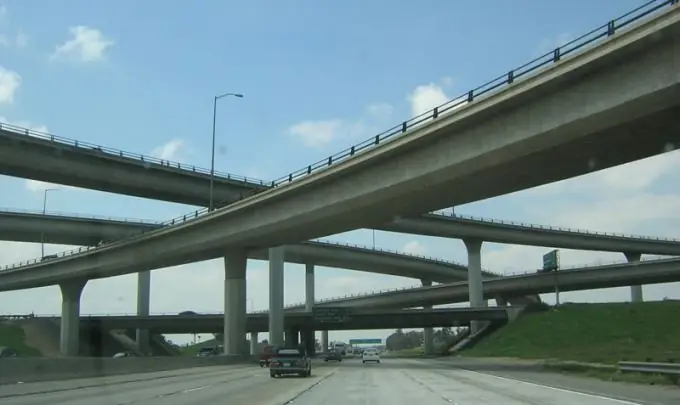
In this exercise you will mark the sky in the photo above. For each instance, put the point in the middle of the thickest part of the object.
(316, 77)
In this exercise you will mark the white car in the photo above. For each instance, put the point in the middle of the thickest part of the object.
(370, 355)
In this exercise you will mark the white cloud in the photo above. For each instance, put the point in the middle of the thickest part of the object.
(170, 150)
(316, 134)
(414, 248)
(87, 45)
(9, 84)
(380, 110)
(24, 125)
(426, 97)
(40, 186)
(20, 40)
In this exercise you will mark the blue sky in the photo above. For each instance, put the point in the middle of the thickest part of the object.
(317, 77)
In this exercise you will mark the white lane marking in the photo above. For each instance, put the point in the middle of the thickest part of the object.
(195, 389)
(620, 401)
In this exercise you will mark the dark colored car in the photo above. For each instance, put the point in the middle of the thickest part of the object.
(208, 351)
(290, 360)
(334, 355)
(266, 355)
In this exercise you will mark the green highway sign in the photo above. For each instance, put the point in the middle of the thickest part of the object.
(551, 261)
(365, 341)
(332, 314)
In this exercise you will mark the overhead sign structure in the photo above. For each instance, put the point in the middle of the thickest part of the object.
(332, 314)
(551, 261)
(365, 341)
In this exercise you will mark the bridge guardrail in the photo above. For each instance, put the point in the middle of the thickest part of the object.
(650, 367)
(146, 159)
(486, 90)
(519, 224)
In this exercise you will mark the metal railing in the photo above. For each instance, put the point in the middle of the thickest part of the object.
(453, 215)
(650, 367)
(68, 215)
(143, 159)
(486, 90)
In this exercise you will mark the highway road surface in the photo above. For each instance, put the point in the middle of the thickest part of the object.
(393, 382)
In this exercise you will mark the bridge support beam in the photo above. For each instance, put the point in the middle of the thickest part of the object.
(309, 341)
(70, 317)
(635, 290)
(475, 286)
(309, 287)
(428, 333)
(235, 301)
(254, 346)
(324, 341)
(143, 307)
(276, 262)
(292, 337)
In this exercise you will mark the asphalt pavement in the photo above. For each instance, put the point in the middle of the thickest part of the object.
(393, 382)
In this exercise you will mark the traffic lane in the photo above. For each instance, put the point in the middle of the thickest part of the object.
(533, 372)
(80, 383)
(397, 381)
(126, 391)
(242, 386)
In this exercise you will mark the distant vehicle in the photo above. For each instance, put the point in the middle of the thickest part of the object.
(124, 354)
(341, 347)
(370, 355)
(7, 352)
(267, 353)
(290, 361)
(207, 351)
(333, 355)
(48, 257)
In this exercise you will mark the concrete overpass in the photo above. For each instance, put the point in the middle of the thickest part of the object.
(640, 96)
(621, 94)
(72, 229)
(31, 227)
(585, 278)
(359, 319)
(66, 161)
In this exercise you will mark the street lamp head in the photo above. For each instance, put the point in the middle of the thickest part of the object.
(239, 95)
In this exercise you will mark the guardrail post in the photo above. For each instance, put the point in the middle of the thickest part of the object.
(611, 28)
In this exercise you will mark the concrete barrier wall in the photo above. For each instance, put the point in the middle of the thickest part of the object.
(13, 370)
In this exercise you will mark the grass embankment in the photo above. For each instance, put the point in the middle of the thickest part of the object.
(591, 333)
(13, 336)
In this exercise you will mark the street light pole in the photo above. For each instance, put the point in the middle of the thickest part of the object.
(44, 212)
(211, 205)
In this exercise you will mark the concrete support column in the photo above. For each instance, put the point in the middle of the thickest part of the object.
(70, 317)
(143, 307)
(309, 287)
(253, 343)
(501, 301)
(428, 333)
(308, 341)
(324, 340)
(276, 261)
(235, 301)
(292, 337)
(475, 287)
(635, 290)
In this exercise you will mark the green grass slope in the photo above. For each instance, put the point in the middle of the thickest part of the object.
(594, 333)
(13, 336)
